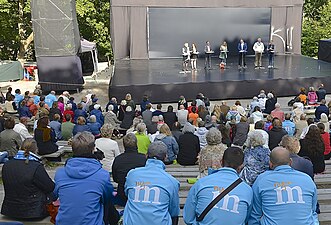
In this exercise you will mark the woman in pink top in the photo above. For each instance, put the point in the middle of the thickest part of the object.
(326, 139)
(60, 104)
(277, 112)
(312, 96)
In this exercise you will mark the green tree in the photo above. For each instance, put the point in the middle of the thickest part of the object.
(316, 25)
(94, 24)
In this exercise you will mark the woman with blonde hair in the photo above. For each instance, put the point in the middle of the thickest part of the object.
(166, 137)
(130, 102)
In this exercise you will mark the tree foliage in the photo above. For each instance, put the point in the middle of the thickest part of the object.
(316, 25)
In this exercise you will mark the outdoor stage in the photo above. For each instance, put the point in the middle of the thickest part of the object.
(162, 81)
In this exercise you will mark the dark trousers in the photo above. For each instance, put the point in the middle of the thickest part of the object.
(208, 61)
(242, 59)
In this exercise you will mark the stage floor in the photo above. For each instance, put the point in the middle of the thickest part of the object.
(163, 80)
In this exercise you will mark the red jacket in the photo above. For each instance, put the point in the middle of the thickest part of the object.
(326, 140)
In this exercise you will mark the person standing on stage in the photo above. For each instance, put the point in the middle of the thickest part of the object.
(223, 52)
(194, 54)
(208, 52)
(258, 49)
(242, 48)
(271, 54)
(186, 56)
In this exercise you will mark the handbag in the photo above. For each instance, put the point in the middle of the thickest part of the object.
(217, 199)
(53, 209)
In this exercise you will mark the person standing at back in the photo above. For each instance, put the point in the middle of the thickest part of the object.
(152, 193)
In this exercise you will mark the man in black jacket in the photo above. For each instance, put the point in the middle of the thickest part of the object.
(276, 133)
(126, 161)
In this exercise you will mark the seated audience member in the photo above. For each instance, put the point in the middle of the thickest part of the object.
(83, 187)
(81, 126)
(56, 126)
(125, 162)
(278, 113)
(24, 111)
(259, 128)
(298, 104)
(322, 108)
(262, 98)
(325, 120)
(193, 105)
(128, 118)
(142, 139)
(310, 122)
(211, 155)
(189, 146)
(233, 115)
(67, 127)
(163, 206)
(253, 104)
(152, 128)
(225, 131)
(158, 111)
(170, 116)
(10, 106)
(45, 137)
(321, 93)
(276, 133)
(54, 110)
(296, 114)
(98, 114)
(182, 101)
(202, 112)
(193, 116)
(175, 130)
(256, 159)
(288, 125)
(68, 110)
(257, 115)
(122, 110)
(269, 189)
(60, 104)
(240, 132)
(9, 93)
(144, 102)
(25, 174)
(166, 137)
(94, 126)
(300, 125)
(10, 141)
(42, 110)
(270, 103)
(312, 96)
(302, 96)
(73, 104)
(182, 115)
(113, 102)
(33, 108)
(21, 128)
(18, 97)
(312, 146)
(220, 117)
(79, 112)
(207, 188)
(240, 109)
(111, 118)
(326, 140)
(50, 98)
(301, 164)
(268, 123)
(147, 115)
(108, 146)
(201, 133)
(130, 102)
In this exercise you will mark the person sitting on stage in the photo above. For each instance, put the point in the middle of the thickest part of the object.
(312, 96)
(242, 48)
(258, 49)
(302, 96)
(208, 52)
(223, 52)
(186, 56)
(194, 54)
(271, 54)
(321, 92)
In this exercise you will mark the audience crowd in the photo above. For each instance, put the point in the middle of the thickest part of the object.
(262, 145)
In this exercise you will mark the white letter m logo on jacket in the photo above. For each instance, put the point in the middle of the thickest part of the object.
(290, 193)
(147, 194)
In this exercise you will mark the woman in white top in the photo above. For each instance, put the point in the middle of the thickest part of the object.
(257, 115)
(107, 146)
(194, 56)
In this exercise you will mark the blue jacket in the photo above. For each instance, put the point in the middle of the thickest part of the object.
(18, 99)
(152, 195)
(49, 99)
(233, 209)
(95, 128)
(98, 115)
(289, 126)
(56, 126)
(319, 110)
(80, 128)
(244, 47)
(24, 112)
(172, 146)
(283, 196)
(78, 113)
(73, 105)
(83, 187)
(36, 99)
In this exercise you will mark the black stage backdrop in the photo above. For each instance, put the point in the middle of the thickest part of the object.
(324, 50)
(170, 28)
